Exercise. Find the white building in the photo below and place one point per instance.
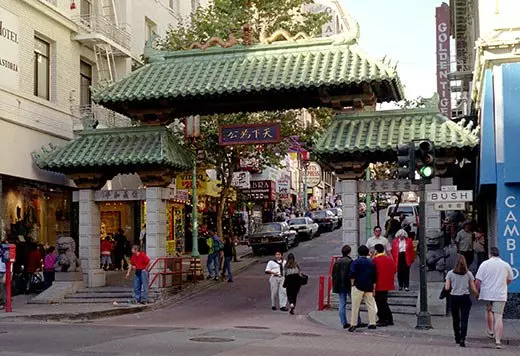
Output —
(51, 53)
(339, 22)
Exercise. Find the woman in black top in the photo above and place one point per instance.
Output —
(293, 281)
(228, 256)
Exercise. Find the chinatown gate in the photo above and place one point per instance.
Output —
(281, 72)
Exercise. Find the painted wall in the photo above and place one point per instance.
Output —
(495, 14)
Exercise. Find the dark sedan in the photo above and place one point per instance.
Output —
(274, 236)
(326, 219)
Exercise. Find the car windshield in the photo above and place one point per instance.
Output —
(297, 222)
(267, 228)
(319, 214)
(336, 211)
(406, 210)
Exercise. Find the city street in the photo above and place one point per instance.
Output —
(228, 319)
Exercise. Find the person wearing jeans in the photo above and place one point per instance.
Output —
(341, 284)
(363, 278)
(140, 262)
(212, 263)
(228, 256)
(460, 281)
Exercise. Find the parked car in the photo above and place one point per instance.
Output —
(273, 236)
(326, 219)
(339, 214)
(410, 211)
(305, 227)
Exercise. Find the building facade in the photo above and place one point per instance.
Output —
(53, 52)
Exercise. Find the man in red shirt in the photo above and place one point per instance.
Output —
(140, 262)
(385, 282)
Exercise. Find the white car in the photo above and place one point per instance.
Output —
(410, 211)
(305, 227)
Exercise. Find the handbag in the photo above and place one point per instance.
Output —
(304, 279)
(445, 293)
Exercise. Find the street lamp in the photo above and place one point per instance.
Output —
(192, 131)
(305, 162)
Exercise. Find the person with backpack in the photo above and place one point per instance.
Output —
(214, 248)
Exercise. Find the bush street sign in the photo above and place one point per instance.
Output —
(445, 197)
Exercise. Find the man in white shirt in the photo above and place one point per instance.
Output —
(493, 277)
(378, 239)
(275, 269)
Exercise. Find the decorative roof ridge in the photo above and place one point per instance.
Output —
(123, 130)
(392, 112)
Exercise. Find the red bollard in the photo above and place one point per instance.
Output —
(321, 293)
(329, 289)
(8, 284)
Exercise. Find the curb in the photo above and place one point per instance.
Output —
(412, 333)
(191, 290)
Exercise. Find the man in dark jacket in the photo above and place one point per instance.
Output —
(341, 284)
(363, 277)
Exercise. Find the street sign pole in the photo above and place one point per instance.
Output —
(368, 211)
(423, 318)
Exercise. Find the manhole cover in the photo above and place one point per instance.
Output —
(211, 339)
(3, 332)
(301, 334)
(252, 327)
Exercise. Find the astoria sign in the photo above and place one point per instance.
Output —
(443, 59)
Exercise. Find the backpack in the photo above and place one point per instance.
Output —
(218, 245)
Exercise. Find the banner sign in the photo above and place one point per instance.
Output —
(443, 59)
(184, 181)
(283, 186)
(249, 134)
(313, 174)
(261, 190)
(241, 180)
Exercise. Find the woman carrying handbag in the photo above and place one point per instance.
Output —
(459, 283)
(294, 279)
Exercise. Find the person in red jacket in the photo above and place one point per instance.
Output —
(404, 255)
(385, 282)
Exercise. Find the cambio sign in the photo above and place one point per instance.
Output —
(9, 49)
(508, 235)
(443, 59)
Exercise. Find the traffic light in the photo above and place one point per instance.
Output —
(425, 159)
(405, 159)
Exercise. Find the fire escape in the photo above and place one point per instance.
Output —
(101, 30)
(462, 62)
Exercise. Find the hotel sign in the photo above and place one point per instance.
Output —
(9, 49)
(443, 59)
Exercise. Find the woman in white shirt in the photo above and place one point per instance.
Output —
(460, 281)
(275, 270)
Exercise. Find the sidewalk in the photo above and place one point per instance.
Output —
(442, 326)
(82, 312)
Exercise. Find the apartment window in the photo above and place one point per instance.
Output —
(41, 68)
(150, 28)
(85, 83)
(86, 9)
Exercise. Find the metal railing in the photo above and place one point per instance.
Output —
(95, 24)
(324, 295)
(171, 272)
(105, 118)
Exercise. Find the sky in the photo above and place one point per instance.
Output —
(404, 30)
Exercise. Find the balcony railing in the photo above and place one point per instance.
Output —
(99, 115)
(93, 25)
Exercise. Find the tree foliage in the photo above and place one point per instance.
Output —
(225, 17)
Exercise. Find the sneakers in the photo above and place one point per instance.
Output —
(372, 327)
(490, 334)
(407, 289)
(462, 343)
(291, 311)
(273, 308)
(216, 278)
(284, 309)
(352, 328)
(346, 326)
(499, 346)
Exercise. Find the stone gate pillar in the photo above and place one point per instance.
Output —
(89, 239)
(156, 226)
(350, 228)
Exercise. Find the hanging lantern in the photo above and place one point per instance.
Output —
(73, 5)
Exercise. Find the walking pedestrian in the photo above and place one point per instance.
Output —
(404, 255)
(385, 269)
(459, 281)
(493, 277)
(275, 270)
(214, 247)
(464, 240)
(377, 238)
(48, 267)
(293, 281)
(341, 284)
(140, 262)
(363, 276)
(120, 250)
(228, 256)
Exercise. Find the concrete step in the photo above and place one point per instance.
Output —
(394, 309)
(100, 301)
(100, 295)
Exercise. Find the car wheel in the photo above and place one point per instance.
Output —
(296, 241)
(331, 227)
(257, 252)
(285, 247)
(311, 235)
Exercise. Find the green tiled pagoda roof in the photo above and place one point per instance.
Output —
(112, 148)
(383, 130)
(248, 69)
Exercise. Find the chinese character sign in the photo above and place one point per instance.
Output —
(249, 134)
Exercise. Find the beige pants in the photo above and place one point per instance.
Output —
(278, 291)
(370, 302)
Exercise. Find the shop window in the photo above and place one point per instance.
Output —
(41, 68)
